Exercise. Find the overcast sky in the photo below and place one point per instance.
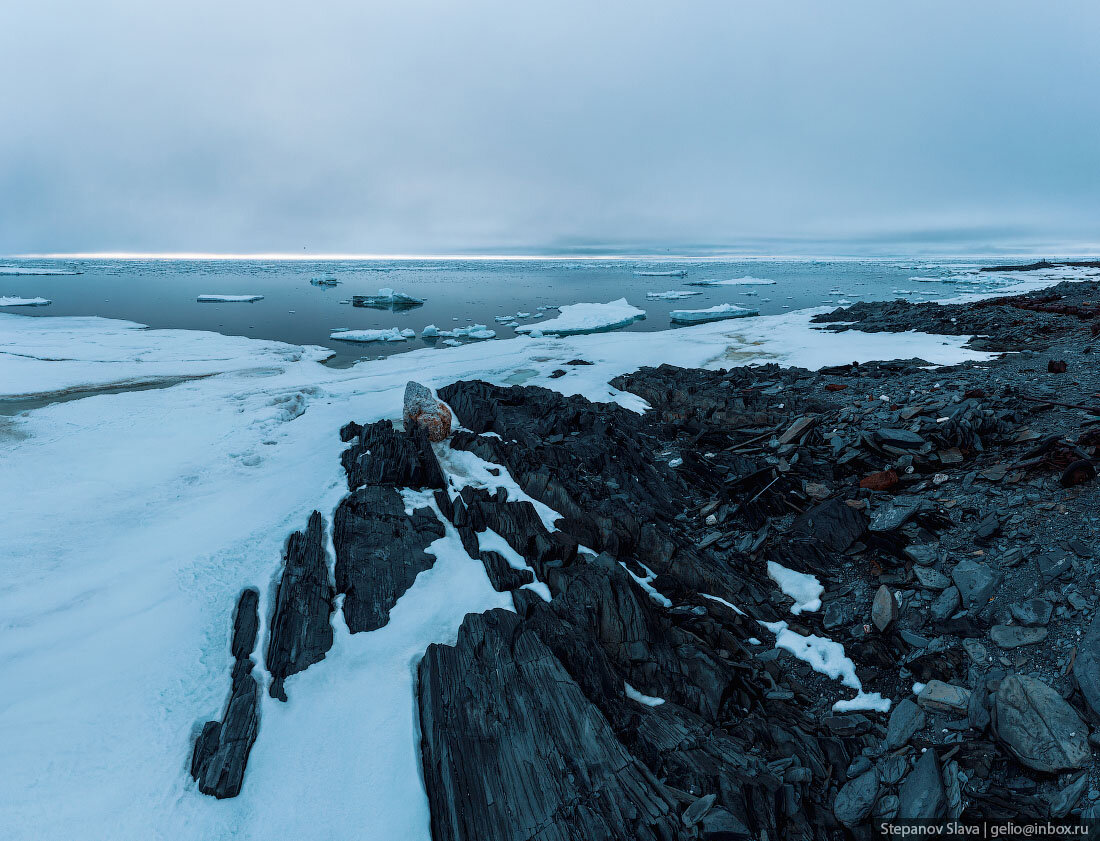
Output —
(421, 126)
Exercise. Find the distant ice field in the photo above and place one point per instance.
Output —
(505, 294)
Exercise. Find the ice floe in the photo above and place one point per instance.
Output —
(715, 313)
(386, 299)
(31, 270)
(670, 273)
(672, 295)
(324, 281)
(391, 334)
(587, 318)
(8, 301)
(747, 280)
(228, 299)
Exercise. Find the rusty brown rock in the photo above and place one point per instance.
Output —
(881, 481)
(422, 408)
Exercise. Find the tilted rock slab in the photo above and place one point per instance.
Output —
(543, 765)
(301, 632)
(221, 751)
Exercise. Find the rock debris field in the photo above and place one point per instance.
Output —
(779, 604)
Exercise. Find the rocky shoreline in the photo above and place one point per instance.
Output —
(670, 670)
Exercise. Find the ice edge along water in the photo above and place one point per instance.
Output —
(116, 642)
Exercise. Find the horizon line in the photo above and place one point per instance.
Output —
(398, 257)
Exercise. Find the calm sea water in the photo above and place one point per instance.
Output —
(161, 292)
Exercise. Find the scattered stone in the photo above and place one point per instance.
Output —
(976, 652)
(937, 695)
(1032, 612)
(856, 798)
(881, 481)
(1013, 636)
(1067, 798)
(884, 609)
(931, 579)
(1086, 666)
(895, 514)
(1038, 727)
(902, 438)
(946, 604)
(905, 720)
(1056, 366)
(976, 582)
(922, 794)
(833, 523)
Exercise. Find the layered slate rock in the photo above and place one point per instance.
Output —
(379, 553)
(382, 455)
(544, 764)
(221, 751)
(301, 631)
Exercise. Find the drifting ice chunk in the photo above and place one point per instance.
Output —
(747, 280)
(24, 302)
(586, 318)
(718, 313)
(228, 299)
(390, 335)
(386, 299)
(471, 331)
(323, 281)
(674, 273)
(429, 332)
(16, 270)
(671, 295)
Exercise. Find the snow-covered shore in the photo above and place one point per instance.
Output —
(134, 519)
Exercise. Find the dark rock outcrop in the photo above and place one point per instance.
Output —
(221, 751)
(544, 764)
(379, 553)
(301, 631)
(382, 455)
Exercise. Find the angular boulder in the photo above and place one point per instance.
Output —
(1038, 727)
(424, 409)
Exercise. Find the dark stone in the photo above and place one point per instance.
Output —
(221, 751)
(502, 575)
(557, 770)
(1032, 612)
(833, 523)
(1078, 473)
(976, 582)
(246, 623)
(1086, 667)
(383, 455)
(379, 553)
(1038, 727)
(856, 798)
(922, 794)
(300, 632)
(905, 720)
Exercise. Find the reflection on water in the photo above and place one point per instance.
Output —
(498, 293)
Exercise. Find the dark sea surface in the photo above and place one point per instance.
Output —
(457, 292)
